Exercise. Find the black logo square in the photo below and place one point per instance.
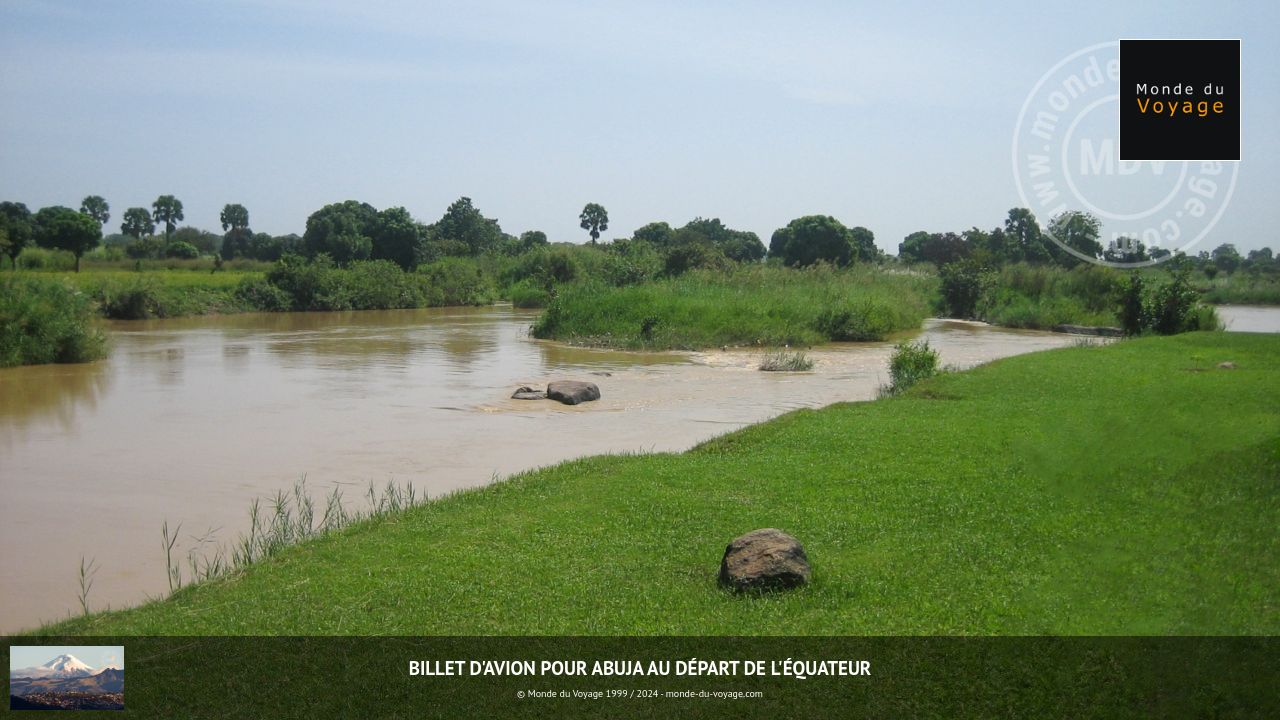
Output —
(1179, 100)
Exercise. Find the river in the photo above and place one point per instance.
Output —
(188, 420)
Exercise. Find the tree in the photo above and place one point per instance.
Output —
(809, 239)
(167, 209)
(235, 223)
(594, 219)
(657, 234)
(396, 237)
(137, 223)
(16, 231)
(1261, 255)
(864, 244)
(97, 208)
(341, 231)
(464, 223)
(1227, 258)
(738, 245)
(1023, 240)
(1078, 231)
(530, 239)
(65, 229)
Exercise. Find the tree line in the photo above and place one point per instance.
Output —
(352, 230)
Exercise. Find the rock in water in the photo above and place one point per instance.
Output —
(766, 559)
(572, 392)
(528, 393)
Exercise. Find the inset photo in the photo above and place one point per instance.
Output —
(55, 677)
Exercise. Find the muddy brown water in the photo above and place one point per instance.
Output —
(189, 420)
(1250, 318)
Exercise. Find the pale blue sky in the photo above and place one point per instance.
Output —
(95, 656)
(895, 116)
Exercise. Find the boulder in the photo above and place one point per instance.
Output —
(1228, 365)
(572, 392)
(528, 393)
(766, 559)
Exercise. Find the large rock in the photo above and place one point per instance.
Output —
(528, 393)
(572, 392)
(766, 559)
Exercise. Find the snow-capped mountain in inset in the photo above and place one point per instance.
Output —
(63, 666)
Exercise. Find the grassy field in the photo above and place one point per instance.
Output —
(761, 306)
(1126, 489)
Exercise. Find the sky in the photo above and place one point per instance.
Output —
(895, 116)
(95, 656)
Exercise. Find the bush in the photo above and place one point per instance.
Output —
(135, 298)
(456, 281)
(963, 284)
(381, 284)
(911, 363)
(310, 284)
(38, 258)
(1133, 315)
(256, 293)
(46, 321)
(179, 249)
(529, 294)
(867, 320)
(1173, 307)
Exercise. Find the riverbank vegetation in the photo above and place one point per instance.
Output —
(695, 285)
(1136, 498)
(46, 322)
(756, 306)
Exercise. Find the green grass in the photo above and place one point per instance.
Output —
(1124, 489)
(1242, 289)
(750, 305)
(162, 293)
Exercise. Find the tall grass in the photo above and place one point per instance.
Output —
(282, 521)
(44, 320)
(1043, 296)
(749, 305)
(1243, 289)
(786, 361)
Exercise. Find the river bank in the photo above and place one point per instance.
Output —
(977, 503)
(171, 426)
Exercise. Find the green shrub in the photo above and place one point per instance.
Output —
(456, 281)
(856, 322)
(1173, 308)
(134, 298)
(1133, 316)
(38, 258)
(179, 249)
(313, 284)
(257, 293)
(381, 284)
(963, 284)
(529, 294)
(911, 363)
(46, 321)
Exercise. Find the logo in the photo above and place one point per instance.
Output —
(1066, 158)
